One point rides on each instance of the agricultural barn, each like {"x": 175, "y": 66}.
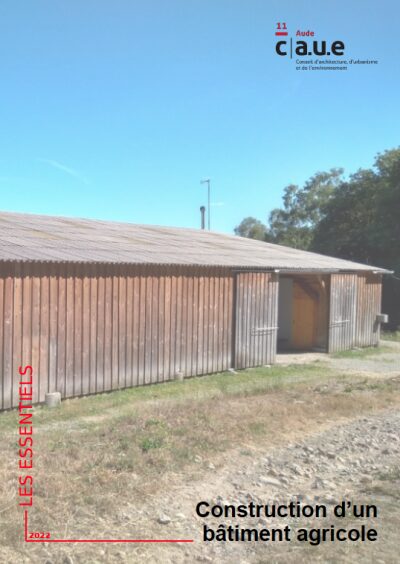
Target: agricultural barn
{"x": 97, "y": 306}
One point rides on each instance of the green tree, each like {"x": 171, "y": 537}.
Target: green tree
{"x": 251, "y": 228}
{"x": 302, "y": 210}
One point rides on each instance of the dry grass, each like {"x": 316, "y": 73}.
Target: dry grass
{"x": 95, "y": 454}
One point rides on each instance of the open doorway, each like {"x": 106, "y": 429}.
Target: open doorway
{"x": 303, "y": 313}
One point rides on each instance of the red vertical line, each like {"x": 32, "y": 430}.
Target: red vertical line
{"x": 26, "y": 525}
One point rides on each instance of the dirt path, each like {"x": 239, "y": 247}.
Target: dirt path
{"x": 348, "y": 461}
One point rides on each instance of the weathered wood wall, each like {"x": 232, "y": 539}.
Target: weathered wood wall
{"x": 369, "y": 300}
{"x": 256, "y": 318}
{"x": 342, "y": 319}
{"x": 88, "y": 329}
{"x": 92, "y": 328}
{"x": 355, "y": 300}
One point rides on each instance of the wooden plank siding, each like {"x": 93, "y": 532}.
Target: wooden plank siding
{"x": 343, "y": 311}
{"x": 355, "y": 301}
{"x": 369, "y": 299}
{"x": 93, "y": 328}
{"x": 88, "y": 329}
{"x": 256, "y": 318}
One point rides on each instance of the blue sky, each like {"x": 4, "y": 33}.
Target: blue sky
{"x": 117, "y": 110}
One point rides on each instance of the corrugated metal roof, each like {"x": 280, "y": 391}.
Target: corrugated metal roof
{"x": 27, "y": 237}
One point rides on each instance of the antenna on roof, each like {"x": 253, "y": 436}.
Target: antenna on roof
{"x": 203, "y": 216}
{"x": 207, "y": 181}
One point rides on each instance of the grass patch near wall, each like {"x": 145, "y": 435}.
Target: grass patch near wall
{"x": 391, "y": 336}
{"x": 367, "y": 352}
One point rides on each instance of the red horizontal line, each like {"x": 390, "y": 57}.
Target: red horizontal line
{"x": 110, "y": 540}
{"x": 281, "y": 33}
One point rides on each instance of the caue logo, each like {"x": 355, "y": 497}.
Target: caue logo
{"x": 305, "y": 47}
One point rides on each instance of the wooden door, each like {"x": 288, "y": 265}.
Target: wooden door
{"x": 305, "y": 316}
{"x": 256, "y": 323}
